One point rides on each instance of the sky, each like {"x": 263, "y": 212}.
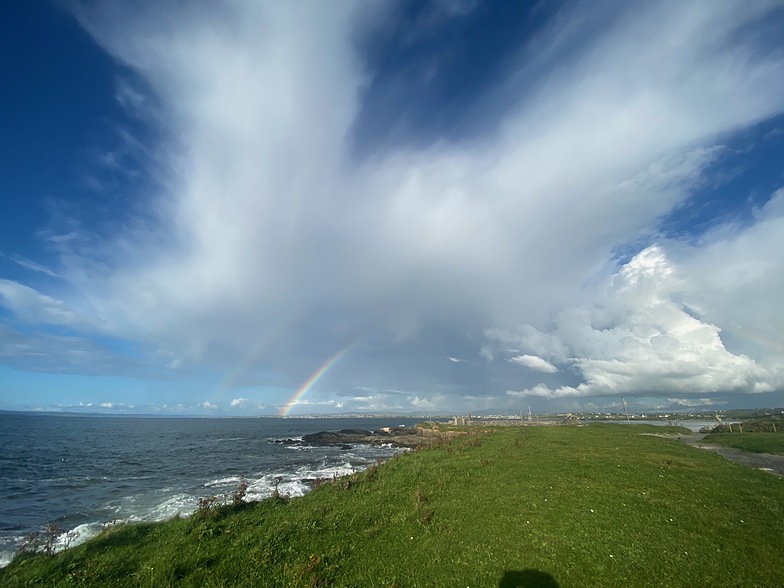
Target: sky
{"x": 419, "y": 207}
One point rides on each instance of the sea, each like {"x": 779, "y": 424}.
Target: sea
{"x": 83, "y": 473}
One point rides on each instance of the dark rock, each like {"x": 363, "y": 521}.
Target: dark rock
{"x": 398, "y": 436}
{"x": 336, "y": 437}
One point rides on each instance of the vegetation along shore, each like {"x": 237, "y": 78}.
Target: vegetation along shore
{"x": 597, "y": 505}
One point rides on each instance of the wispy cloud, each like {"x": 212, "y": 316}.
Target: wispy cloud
{"x": 31, "y": 265}
{"x": 33, "y": 307}
{"x": 265, "y": 216}
{"x": 695, "y": 403}
{"x": 67, "y": 354}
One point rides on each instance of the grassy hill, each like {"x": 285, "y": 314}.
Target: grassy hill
{"x": 603, "y": 505}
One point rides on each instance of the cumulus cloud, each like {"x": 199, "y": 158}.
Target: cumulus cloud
{"x": 534, "y": 362}
{"x": 209, "y": 405}
{"x": 269, "y": 232}
{"x": 238, "y": 402}
{"x": 735, "y": 277}
{"x": 423, "y": 403}
{"x": 637, "y": 339}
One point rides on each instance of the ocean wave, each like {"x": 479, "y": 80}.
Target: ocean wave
{"x": 151, "y": 470}
{"x": 292, "y": 482}
{"x": 77, "y": 535}
{"x": 9, "y": 545}
{"x": 223, "y": 481}
{"x": 301, "y": 447}
{"x": 181, "y": 504}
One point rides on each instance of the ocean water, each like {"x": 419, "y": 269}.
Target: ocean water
{"x": 85, "y": 472}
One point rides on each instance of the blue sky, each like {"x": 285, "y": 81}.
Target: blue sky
{"x": 409, "y": 207}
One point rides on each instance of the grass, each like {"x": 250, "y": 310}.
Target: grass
{"x": 754, "y": 442}
{"x": 602, "y": 505}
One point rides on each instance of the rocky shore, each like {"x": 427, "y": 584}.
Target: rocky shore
{"x": 396, "y": 436}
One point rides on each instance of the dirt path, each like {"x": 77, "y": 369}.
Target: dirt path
{"x": 760, "y": 461}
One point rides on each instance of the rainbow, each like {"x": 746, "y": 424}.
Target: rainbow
{"x": 311, "y": 381}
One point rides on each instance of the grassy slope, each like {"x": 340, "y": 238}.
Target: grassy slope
{"x": 595, "y": 506}
{"x": 754, "y": 442}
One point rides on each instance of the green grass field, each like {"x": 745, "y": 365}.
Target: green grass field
{"x": 754, "y": 442}
{"x": 604, "y": 505}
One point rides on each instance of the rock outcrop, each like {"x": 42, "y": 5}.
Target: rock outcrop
{"x": 410, "y": 437}
{"x": 397, "y": 436}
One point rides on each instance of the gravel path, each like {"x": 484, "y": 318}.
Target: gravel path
{"x": 760, "y": 461}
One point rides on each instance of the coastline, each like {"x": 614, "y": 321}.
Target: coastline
{"x": 150, "y": 470}
{"x": 590, "y": 506}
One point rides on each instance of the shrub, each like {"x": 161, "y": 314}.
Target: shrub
{"x": 239, "y": 494}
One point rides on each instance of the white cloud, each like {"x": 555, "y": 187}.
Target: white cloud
{"x": 636, "y": 339}
{"x": 422, "y": 402}
{"x": 238, "y": 402}
{"x": 45, "y": 352}
{"x": 695, "y": 402}
{"x": 268, "y": 231}
{"x": 31, "y": 265}
{"x": 735, "y": 278}
{"x": 32, "y": 306}
{"x": 538, "y": 390}
{"x": 534, "y": 362}
{"x": 209, "y": 405}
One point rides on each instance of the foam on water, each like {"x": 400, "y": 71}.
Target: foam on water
{"x": 77, "y": 535}
{"x": 8, "y": 547}
{"x": 300, "y": 447}
{"x": 179, "y": 504}
{"x": 150, "y": 470}
{"x": 291, "y": 483}
{"x": 223, "y": 481}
